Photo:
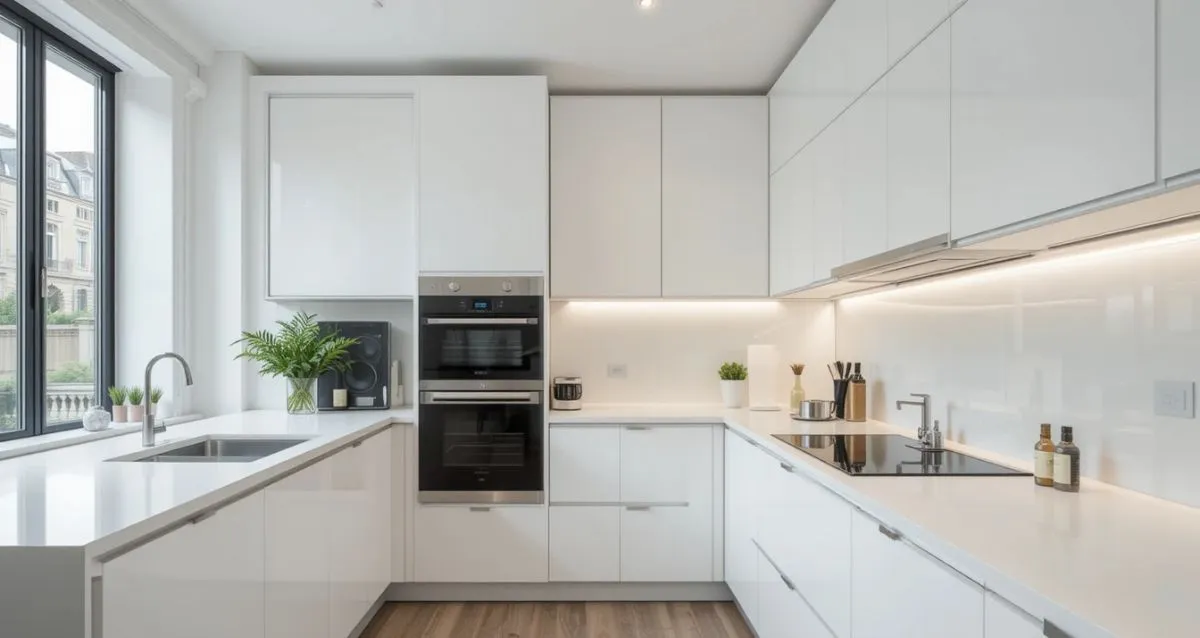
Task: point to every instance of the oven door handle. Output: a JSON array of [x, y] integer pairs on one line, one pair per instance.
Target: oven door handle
[[481, 321], [480, 398]]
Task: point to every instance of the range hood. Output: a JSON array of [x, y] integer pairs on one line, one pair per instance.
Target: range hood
[[925, 258]]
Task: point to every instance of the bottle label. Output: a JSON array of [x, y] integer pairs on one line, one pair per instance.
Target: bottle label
[[1043, 464], [1062, 469]]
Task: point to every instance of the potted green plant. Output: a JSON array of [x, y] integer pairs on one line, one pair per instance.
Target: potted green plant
[[156, 395], [733, 384], [119, 412], [299, 353], [137, 411]]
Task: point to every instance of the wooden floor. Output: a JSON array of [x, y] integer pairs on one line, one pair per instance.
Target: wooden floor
[[558, 620]]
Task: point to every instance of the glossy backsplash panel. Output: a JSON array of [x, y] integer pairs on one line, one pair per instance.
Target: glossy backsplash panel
[[672, 349], [1075, 342]]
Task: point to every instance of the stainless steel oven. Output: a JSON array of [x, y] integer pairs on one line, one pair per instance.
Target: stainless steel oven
[[479, 329], [481, 447], [481, 415]]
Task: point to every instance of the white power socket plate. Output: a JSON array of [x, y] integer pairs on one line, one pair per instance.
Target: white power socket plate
[[1175, 398], [617, 371]]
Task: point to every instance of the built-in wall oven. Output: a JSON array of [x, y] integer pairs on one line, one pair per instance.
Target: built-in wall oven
[[481, 414]]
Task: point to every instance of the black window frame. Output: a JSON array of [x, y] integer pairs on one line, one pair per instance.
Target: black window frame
[[37, 35]]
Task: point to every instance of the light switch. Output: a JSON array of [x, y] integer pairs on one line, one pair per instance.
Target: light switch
[[1175, 399]]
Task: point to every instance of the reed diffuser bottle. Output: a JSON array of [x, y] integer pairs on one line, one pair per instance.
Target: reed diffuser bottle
[[797, 388], [1066, 462]]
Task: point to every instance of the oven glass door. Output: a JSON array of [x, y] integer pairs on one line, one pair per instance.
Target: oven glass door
[[480, 349], [480, 447]]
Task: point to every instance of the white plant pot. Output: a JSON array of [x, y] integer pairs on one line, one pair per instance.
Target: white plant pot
[[733, 393], [120, 413]]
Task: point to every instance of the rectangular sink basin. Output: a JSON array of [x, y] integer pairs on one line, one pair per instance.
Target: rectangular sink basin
[[215, 449]]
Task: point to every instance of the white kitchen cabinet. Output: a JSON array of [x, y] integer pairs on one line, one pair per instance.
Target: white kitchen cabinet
[[667, 493], [378, 457], [1179, 50], [585, 465], [864, 42], [918, 142], [792, 242], [826, 223], [201, 580], [585, 544], [714, 196], [606, 195], [864, 192], [297, 555], [481, 544], [341, 172], [806, 530], [1002, 619], [1052, 105], [909, 21], [359, 520], [484, 174], [895, 583], [782, 613], [744, 467]]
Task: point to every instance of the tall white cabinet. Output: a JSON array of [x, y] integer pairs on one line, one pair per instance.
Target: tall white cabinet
[[1179, 50], [340, 172], [484, 174]]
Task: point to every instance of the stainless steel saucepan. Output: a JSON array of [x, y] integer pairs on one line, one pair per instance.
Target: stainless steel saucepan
[[815, 410]]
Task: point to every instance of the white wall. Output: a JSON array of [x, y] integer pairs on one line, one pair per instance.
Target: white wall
[[672, 349], [1078, 342]]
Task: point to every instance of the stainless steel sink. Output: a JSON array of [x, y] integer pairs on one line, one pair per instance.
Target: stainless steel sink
[[215, 449]]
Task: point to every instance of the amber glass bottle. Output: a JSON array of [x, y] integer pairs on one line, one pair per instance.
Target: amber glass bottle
[[1043, 459]]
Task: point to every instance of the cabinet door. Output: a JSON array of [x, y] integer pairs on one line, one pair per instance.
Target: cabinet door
[[585, 465], [606, 195], [350, 537], [893, 583], [807, 532], [214, 566], [484, 174], [297, 554], [503, 544], [791, 107], [342, 173], [1004, 620], [378, 573], [742, 489], [1179, 49], [864, 189], [714, 196], [1052, 105], [864, 43], [909, 21], [666, 543], [918, 143], [585, 544], [828, 152], [782, 612], [791, 240]]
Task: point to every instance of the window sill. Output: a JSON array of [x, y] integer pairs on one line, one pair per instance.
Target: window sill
[[35, 444]]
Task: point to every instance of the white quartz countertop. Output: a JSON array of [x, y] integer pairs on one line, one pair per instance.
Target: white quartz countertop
[[1104, 562], [75, 497]]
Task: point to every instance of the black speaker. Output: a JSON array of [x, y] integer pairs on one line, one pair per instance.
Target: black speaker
[[367, 381]]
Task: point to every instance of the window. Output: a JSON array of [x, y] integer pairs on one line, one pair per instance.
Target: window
[[56, 131], [83, 253]]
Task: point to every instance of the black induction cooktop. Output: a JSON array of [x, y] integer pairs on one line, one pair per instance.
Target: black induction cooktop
[[890, 455]]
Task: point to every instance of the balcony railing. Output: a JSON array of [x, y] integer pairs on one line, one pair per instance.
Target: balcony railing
[[64, 402]]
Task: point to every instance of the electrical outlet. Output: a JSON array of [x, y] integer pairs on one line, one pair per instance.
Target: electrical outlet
[[1175, 398], [617, 371]]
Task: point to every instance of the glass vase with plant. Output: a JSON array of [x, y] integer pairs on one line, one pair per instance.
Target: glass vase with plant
[[117, 394], [137, 411], [299, 353]]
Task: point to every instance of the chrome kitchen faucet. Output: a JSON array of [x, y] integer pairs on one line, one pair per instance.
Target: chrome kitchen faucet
[[148, 427]]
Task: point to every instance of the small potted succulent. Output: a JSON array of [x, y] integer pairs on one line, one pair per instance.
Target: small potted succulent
[[156, 395], [733, 384], [137, 411], [299, 353], [120, 412]]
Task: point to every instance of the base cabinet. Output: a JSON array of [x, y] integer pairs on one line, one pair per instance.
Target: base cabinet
[[743, 478], [471, 544], [1002, 619], [585, 544], [782, 613], [201, 580], [297, 561]]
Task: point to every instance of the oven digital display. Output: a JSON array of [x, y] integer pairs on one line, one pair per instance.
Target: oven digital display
[[481, 305]]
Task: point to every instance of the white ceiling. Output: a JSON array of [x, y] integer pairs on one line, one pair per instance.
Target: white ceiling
[[737, 46]]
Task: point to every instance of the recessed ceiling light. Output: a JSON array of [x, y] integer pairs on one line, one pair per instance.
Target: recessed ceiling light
[[646, 4]]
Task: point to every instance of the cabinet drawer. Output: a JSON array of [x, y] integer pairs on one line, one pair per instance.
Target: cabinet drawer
[[585, 544], [782, 613], [585, 465], [666, 544], [666, 465], [481, 544]]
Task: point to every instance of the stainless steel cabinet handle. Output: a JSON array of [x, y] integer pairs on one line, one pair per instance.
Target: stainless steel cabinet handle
[[636, 428], [482, 321], [1051, 630], [786, 581], [480, 398], [787, 468], [481, 509], [890, 533], [202, 516], [637, 508]]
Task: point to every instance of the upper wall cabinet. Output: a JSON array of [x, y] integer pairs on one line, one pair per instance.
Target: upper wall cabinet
[[864, 189], [1052, 105], [1180, 85], [791, 238], [606, 192], [648, 193], [340, 174], [484, 174], [714, 197], [909, 21]]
